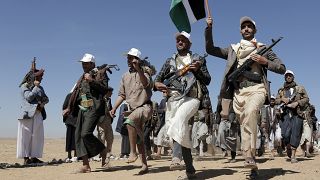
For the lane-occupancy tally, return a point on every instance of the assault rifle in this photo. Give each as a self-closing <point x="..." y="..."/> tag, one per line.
<point x="232" y="78"/>
<point x="281" y="107"/>
<point x="39" y="99"/>
<point x="145" y="62"/>
<point x="33" y="70"/>
<point x="107" y="67"/>
<point x="100" y="71"/>
<point x="174" y="76"/>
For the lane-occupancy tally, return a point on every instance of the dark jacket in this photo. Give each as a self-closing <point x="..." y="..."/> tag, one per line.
<point x="202" y="75"/>
<point x="69" y="119"/>
<point x="226" y="91"/>
<point x="301" y="97"/>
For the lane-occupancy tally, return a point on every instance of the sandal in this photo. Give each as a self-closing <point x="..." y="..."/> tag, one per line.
<point x="27" y="161"/>
<point x="176" y="166"/>
<point x="143" y="171"/>
<point x="106" y="164"/>
<point x="132" y="158"/>
<point x="307" y="155"/>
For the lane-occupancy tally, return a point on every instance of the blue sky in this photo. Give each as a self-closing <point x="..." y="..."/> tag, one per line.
<point x="59" y="32"/>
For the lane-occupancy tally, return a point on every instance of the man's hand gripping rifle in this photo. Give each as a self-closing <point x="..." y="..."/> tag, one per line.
<point x="283" y="106"/>
<point x="100" y="71"/>
<point x="172" y="79"/>
<point x="232" y="78"/>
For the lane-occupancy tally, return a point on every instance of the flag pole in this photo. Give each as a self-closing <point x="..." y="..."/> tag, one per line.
<point x="207" y="7"/>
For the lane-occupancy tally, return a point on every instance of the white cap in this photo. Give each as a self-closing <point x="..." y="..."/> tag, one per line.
<point x="185" y="34"/>
<point x="289" y="72"/>
<point x="272" y="97"/>
<point x="247" y="19"/>
<point x="134" y="52"/>
<point x="88" y="58"/>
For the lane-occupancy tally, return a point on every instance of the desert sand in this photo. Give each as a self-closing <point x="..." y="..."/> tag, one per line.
<point x="210" y="167"/>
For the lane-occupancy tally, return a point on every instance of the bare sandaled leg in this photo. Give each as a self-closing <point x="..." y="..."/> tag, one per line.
<point x="132" y="158"/>
<point x="143" y="170"/>
<point x="106" y="163"/>
<point x="176" y="166"/>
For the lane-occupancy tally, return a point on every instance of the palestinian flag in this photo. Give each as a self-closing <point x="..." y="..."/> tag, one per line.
<point x="185" y="12"/>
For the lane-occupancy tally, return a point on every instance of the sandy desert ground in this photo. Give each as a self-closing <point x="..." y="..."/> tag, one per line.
<point x="213" y="167"/>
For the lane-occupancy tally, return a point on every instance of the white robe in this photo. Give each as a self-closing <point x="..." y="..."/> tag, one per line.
<point x="178" y="114"/>
<point x="30" y="139"/>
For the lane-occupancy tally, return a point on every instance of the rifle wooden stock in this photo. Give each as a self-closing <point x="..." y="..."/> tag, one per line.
<point x="181" y="72"/>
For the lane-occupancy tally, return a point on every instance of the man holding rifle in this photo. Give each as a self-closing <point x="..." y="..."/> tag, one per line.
<point x="294" y="102"/>
<point x="183" y="102"/>
<point x="86" y="98"/>
<point x="30" y="138"/>
<point x="136" y="89"/>
<point x="250" y="89"/>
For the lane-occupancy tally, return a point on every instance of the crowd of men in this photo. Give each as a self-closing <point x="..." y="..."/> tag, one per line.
<point x="184" y="119"/>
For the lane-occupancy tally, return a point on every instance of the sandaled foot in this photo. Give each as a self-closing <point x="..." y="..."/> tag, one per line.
<point x="143" y="170"/>
<point x="308" y="155"/>
<point x="106" y="163"/>
<point x="250" y="163"/>
<point x="132" y="158"/>
<point x="148" y="158"/>
<point x="176" y="166"/>
<point x="27" y="161"/>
